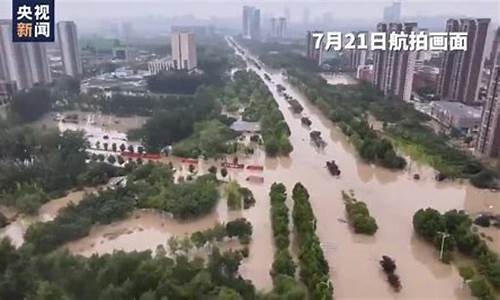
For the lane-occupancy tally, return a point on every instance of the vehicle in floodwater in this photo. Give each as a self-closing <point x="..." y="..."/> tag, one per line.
<point x="305" y="121"/>
<point x="441" y="177"/>
<point x="267" y="77"/>
<point x="317" y="139"/>
<point x="296" y="106"/>
<point x="333" y="168"/>
<point x="255" y="179"/>
<point x="280" y="88"/>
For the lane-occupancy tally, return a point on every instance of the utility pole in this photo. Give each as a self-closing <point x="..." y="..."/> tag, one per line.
<point x="444" y="235"/>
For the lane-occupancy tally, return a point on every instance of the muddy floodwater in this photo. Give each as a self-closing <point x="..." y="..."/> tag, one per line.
<point x="338" y="78"/>
<point x="47" y="212"/>
<point x="93" y="123"/>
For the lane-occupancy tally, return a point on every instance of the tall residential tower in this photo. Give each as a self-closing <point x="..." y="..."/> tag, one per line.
<point x="68" y="42"/>
<point x="488" y="142"/>
<point x="461" y="70"/>
<point x="251" y="22"/>
<point x="311" y="52"/>
<point x="184" y="50"/>
<point x="23" y="63"/>
<point x="393" y="70"/>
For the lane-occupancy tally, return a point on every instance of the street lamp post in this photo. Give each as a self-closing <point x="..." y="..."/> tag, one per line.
<point x="444" y="235"/>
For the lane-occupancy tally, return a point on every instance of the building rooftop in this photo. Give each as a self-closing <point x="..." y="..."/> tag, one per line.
<point x="244" y="126"/>
<point x="458" y="108"/>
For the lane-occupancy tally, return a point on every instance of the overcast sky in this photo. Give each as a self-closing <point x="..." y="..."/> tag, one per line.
<point x="354" y="9"/>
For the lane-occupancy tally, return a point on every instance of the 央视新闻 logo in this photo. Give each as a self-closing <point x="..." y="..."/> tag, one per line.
<point x="33" y="20"/>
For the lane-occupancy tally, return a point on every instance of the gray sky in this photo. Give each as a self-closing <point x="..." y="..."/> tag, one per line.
<point x="340" y="10"/>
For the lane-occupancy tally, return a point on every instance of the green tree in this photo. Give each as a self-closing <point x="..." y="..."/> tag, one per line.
<point x="480" y="289"/>
<point x="466" y="272"/>
<point x="31" y="105"/>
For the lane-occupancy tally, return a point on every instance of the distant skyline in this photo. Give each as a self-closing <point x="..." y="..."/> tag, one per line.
<point x="65" y="9"/>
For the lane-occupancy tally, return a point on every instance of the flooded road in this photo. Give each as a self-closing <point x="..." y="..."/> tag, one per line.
<point x="392" y="197"/>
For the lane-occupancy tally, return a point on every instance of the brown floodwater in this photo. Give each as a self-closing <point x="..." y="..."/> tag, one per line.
<point x="90" y="122"/>
<point x="47" y="212"/>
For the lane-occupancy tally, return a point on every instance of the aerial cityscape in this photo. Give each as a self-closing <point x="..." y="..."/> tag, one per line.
<point x="249" y="149"/>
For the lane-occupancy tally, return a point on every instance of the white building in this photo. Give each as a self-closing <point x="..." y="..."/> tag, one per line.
<point x="457" y="115"/>
<point x="158" y="65"/>
<point x="184" y="51"/>
<point x="23" y="63"/>
<point x="70" y="50"/>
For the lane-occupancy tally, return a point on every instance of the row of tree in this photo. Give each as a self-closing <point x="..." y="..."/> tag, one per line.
<point x="431" y="225"/>
<point x="31" y="105"/>
<point x="314" y="269"/>
<point x="347" y="107"/>
<point x="75" y="221"/>
<point x="283" y="261"/>
<point x="153" y="187"/>
<point x="175" y="120"/>
<point x="37" y="165"/>
<point x="210" y="138"/>
<point x="260" y="106"/>
<point x="358" y="215"/>
<point x="239" y="228"/>
<point x="135" y="275"/>
<point x="283" y="267"/>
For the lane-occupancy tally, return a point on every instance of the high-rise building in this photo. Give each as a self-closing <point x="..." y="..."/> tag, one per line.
<point x="22" y="63"/>
<point x="14" y="58"/>
<point x="282" y="28"/>
<point x="393" y="70"/>
<point x="247" y="11"/>
<point x="312" y="53"/>
<point x="460" y="70"/>
<point x="274" y="27"/>
<point x="251" y="22"/>
<point x="488" y="142"/>
<point x="357" y="57"/>
<point x="184" y="50"/>
<point x="392" y="13"/>
<point x="70" y="50"/>
<point x="38" y="62"/>
<point x="495" y="48"/>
